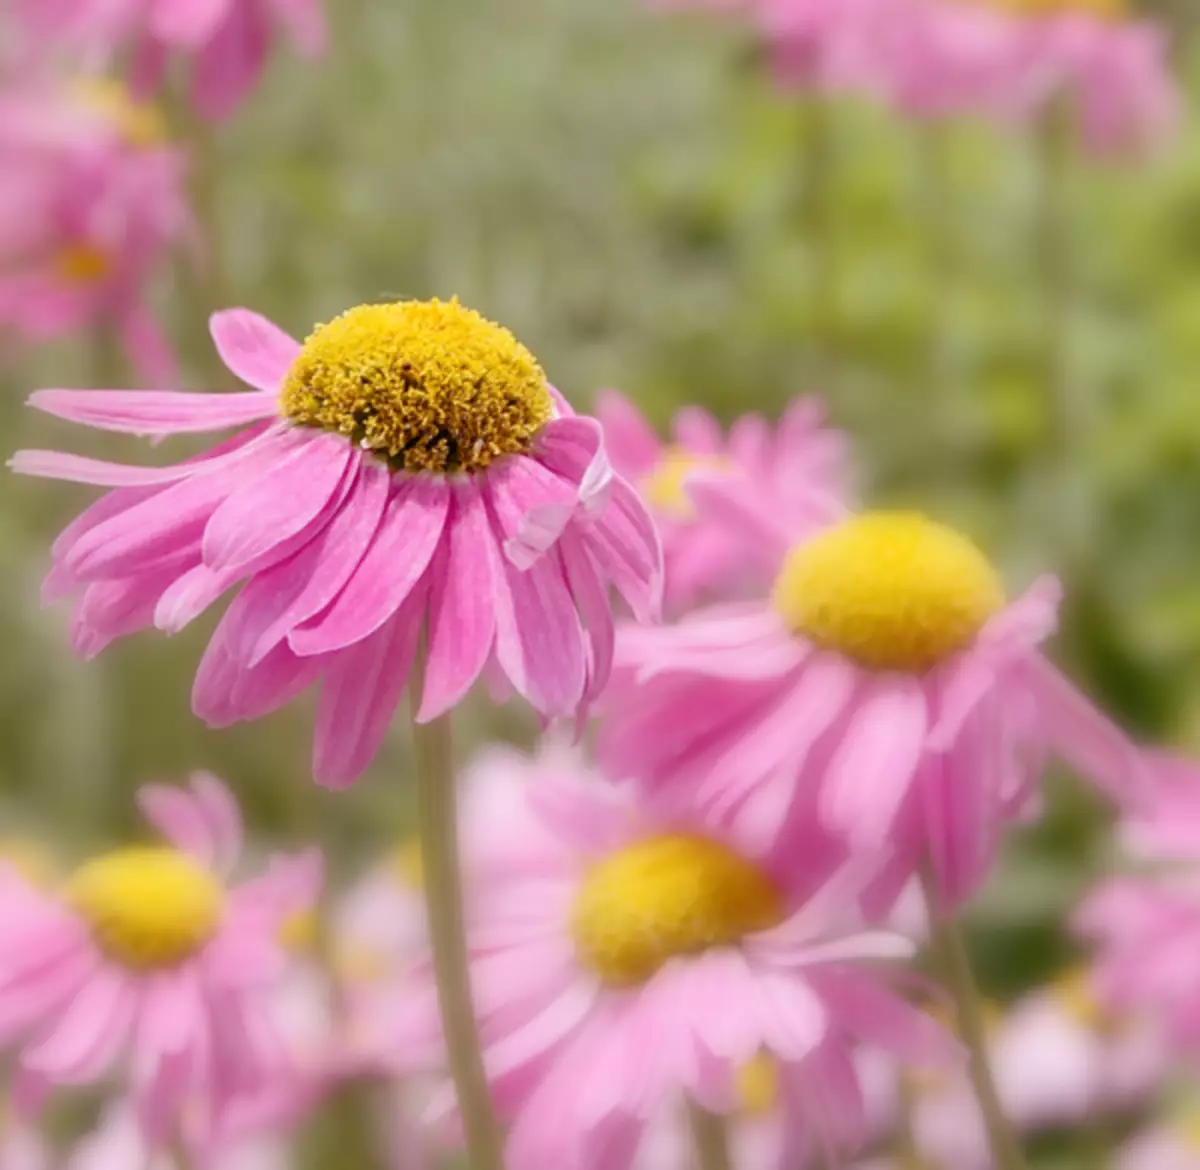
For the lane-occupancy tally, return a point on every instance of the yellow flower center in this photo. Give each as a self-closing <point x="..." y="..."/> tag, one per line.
<point x="667" y="896"/>
<point x="1104" y="9"/>
<point x="405" y="864"/>
<point x="891" y="590"/>
<point x="139" y="123"/>
<point x="82" y="264"/>
<point x="758" y="1085"/>
<point x="663" y="488"/>
<point x="148" y="906"/>
<point x="426" y="385"/>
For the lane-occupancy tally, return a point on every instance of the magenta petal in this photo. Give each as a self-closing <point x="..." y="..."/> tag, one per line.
<point x="625" y="544"/>
<point x="360" y="694"/>
<point x="462" y="611"/>
<point x="111" y="609"/>
<point x="634" y="447"/>
<point x="228" y="65"/>
<point x="301" y="586"/>
<point x="277" y="505"/>
<point x="153" y="412"/>
<point x="532" y="505"/>
<point x="394" y="562"/>
<point x="573" y="448"/>
<point x="179" y="818"/>
<point x="257" y="351"/>
<point x="696" y="430"/>
<point x="87" y="1037"/>
<point x="81" y="469"/>
<point x="595" y="610"/>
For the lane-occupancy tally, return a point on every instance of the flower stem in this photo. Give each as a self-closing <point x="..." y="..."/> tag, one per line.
<point x="950" y="953"/>
<point x="710" y="1136"/>
<point x="437" y="821"/>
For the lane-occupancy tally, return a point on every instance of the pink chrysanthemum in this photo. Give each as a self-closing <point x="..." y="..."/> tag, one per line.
<point x="887" y="680"/>
<point x="625" y="960"/>
<point x="802" y="466"/>
<point x="407" y="467"/>
<point x="147" y="959"/>
<point x="227" y="40"/>
<point x="93" y="200"/>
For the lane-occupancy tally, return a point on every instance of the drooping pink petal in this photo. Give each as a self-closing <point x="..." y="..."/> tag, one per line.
<point x="574" y="449"/>
<point x="394" y="562"/>
<point x="153" y="412"/>
<point x="532" y="506"/>
<point x="180" y="819"/>
<point x="253" y="348"/>
<point x="462" y="611"/>
<point x="625" y="543"/>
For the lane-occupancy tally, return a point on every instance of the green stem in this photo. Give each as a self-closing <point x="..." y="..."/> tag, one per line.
<point x="954" y="967"/>
<point x="437" y="821"/>
<point x="710" y="1136"/>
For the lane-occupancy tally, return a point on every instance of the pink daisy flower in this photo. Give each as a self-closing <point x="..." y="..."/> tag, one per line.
<point x="409" y="466"/>
<point x="802" y="465"/>
<point x="625" y="960"/>
<point x="93" y="202"/>
<point x="148" y="961"/>
<point x="886" y="687"/>
<point x="227" y="41"/>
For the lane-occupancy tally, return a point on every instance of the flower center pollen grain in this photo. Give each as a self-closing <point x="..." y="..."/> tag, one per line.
<point x="427" y="385"/>
<point x="890" y="590"/>
<point x="148" y="907"/>
<point x="663" y="897"/>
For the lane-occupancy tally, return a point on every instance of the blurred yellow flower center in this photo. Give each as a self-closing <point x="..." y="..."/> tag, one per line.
<point x="148" y="907"/>
<point x="82" y="264"/>
<point x="427" y="385"/>
<point x="758" y="1085"/>
<point x="664" y="488"/>
<point x="891" y="590"/>
<point x="138" y="123"/>
<point x="405" y="865"/>
<point x="299" y="930"/>
<point x="667" y="896"/>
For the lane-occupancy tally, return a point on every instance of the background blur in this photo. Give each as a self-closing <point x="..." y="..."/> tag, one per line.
<point x="628" y="192"/>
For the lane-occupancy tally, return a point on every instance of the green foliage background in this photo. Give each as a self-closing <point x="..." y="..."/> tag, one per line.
<point x="628" y="192"/>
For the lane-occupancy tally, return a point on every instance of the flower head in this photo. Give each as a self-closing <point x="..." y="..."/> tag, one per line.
<point x="800" y="466"/>
<point x="94" y="202"/>
<point x="409" y="467"/>
<point x="626" y="958"/>
<point x="149" y="959"/>
<point x="227" y="41"/>
<point x="887" y="678"/>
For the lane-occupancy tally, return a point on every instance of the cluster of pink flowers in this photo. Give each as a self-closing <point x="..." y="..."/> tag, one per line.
<point x="94" y="201"/>
<point x="695" y="930"/>
<point x="1007" y="60"/>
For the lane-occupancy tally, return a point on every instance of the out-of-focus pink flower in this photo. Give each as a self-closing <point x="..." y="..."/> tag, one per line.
<point x="800" y="465"/>
<point x="626" y="958"/>
<point x="22" y="1147"/>
<point x="93" y="200"/>
<point x="368" y="497"/>
<point x="888" y="680"/>
<point x="227" y="41"/>
<point x="1170" y="1146"/>
<point x="148" y="961"/>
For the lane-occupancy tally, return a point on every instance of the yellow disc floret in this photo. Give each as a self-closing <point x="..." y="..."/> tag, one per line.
<point x="426" y="385"/>
<point x="148" y="907"/>
<point x="667" y="896"/>
<point x="664" y="489"/>
<point x="758" y="1085"/>
<point x="82" y="264"/>
<point x="891" y="590"/>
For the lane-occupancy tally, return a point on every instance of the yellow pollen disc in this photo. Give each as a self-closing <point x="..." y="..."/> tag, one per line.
<point x="890" y="590"/>
<point x="667" y="896"/>
<point x="82" y="264"/>
<point x="405" y="865"/>
<point x="148" y="906"/>
<point x="663" y="489"/>
<point x="426" y="385"/>
<point x="139" y="123"/>
<point x="758" y="1085"/>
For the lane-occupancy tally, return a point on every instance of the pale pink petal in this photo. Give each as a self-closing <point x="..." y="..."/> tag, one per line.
<point x="394" y="562"/>
<point x="625" y="544"/>
<point x="695" y="429"/>
<point x="633" y="446"/>
<point x="229" y="64"/>
<point x="223" y="815"/>
<point x="87" y="1037"/>
<point x="793" y="1019"/>
<point x="187" y="23"/>
<point x="462" y="611"/>
<point x="153" y="412"/>
<point x="180" y="819"/>
<point x="574" y="449"/>
<point x="253" y="348"/>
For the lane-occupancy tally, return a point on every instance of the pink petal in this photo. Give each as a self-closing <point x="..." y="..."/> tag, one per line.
<point x="532" y="506"/>
<point x="696" y="430"/>
<point x="229" y="64"/>
<point x="396" y="560"/>
<point x="573" y="448"/>
<point x="87" y="1037"/>
<point x="187" y="24"/>
<point x="253" y="348"/>
<point x="179" y="818"/>
<point x="595" y="611"/>
<point x="278" y="505"/>
<point x="794" y="1021"/>
<point x="360" y="694"/>
<point x="869" y="773"/>
<point x="462" y="612"/>
<point x="153" y="412"/>
<point x="223" y="816"/>
<point x="634" y="447"/>
<point x="625" y="543"/>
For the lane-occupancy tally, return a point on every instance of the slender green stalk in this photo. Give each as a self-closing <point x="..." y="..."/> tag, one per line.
<point x="710" y="1136"/>
<point x="437" y="821"/>
<point x="954" y="969"/>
